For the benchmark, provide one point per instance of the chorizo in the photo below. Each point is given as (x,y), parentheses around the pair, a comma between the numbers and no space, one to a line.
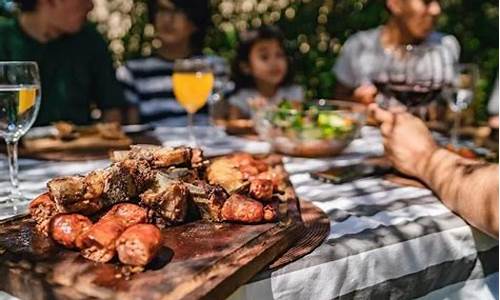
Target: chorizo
(242,209)
(138,245)
(98,243)
(130,214)
(261,189)
(66,228)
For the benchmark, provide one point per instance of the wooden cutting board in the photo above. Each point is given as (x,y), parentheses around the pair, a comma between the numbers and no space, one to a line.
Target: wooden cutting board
(199,260)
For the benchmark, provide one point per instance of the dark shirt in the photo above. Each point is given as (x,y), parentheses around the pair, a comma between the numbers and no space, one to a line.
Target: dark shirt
(76,72)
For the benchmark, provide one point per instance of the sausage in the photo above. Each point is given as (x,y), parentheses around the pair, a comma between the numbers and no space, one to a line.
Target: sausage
(138,245)
(66,228)
(130,214)
(98,243)
(242,209)
(261,189)
(42,209)
(270,212)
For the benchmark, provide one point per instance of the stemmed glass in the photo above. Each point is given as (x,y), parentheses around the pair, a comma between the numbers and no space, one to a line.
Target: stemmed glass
(19,104)
(192,81)
(460,93)
(413,75)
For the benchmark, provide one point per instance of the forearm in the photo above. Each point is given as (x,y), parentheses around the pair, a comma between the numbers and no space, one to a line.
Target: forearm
(467,187)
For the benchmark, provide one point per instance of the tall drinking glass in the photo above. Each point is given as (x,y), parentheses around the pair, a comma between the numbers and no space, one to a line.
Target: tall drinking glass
(192,81)
(19,104)
(460,94)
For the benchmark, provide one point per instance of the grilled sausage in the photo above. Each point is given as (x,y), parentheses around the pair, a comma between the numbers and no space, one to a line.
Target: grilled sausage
(66,228)
(42,209)
(261,189)
(130,214)
(98,243)
(270,212)
(138,245)
(242,209)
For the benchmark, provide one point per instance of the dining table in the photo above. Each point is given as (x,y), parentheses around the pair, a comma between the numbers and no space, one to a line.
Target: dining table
(386,240)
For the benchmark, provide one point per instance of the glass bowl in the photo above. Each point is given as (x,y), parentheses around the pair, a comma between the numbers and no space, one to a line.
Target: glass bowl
(321,128)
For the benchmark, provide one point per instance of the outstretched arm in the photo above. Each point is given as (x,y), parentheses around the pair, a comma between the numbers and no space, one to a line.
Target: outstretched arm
(467,187)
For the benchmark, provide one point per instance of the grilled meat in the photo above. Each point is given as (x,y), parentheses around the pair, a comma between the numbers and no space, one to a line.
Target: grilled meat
(130,214)
(157,157)
(271,212)
(168,198)
(209,199)
(42,209)
(261,189)
(138,245)
(239,208)
(98,243)
(66,228)
(224,172)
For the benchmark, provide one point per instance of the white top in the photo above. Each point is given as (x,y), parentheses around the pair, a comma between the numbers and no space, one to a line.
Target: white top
(241,99)
(362,54)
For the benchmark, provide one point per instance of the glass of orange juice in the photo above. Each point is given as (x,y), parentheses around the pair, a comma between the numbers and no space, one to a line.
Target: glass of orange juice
(192,82)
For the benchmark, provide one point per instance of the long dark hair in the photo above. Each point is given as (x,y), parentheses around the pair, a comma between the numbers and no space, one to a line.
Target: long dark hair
(197,11)
(248,39)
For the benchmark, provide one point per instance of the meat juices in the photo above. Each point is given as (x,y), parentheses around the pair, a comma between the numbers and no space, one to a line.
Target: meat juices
(242,209)
(261,189)
(42,209)
(130,214)
(138,245)
(66,228)
(98,243)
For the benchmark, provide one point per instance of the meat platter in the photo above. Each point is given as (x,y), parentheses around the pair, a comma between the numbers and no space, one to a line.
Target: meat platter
(158,223)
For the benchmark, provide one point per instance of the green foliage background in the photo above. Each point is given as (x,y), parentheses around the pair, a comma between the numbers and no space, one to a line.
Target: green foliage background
(315,30)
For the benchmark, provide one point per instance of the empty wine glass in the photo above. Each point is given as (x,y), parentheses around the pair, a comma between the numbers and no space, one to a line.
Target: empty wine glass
(19,105)
(460,93)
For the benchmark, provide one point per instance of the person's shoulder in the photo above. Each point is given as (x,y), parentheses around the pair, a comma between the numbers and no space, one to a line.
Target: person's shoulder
(365,37)
(447,40)
(7,25)
(294,91)
(89,33)
(147,63)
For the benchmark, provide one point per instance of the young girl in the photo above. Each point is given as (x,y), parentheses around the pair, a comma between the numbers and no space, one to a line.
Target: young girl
(262,72)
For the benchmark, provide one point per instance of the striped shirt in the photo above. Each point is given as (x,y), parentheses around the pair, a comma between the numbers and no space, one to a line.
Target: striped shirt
(147,84)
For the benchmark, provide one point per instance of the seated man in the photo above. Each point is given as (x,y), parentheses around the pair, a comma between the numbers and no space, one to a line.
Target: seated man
(410,22)
(467,187)
(75,68)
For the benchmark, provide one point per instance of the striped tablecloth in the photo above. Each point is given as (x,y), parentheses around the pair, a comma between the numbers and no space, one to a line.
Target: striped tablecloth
(385,241)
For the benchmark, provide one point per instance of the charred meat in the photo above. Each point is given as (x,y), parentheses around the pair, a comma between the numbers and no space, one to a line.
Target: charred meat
(168,198)
(209,200)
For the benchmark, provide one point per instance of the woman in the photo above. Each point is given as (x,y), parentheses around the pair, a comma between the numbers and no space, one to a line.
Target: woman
(181,26)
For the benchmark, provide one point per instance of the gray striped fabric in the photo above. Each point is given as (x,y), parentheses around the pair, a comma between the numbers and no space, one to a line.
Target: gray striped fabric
(386,241)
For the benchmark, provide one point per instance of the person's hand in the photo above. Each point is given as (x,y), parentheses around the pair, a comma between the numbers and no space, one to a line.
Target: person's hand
(365,93)
(407,141)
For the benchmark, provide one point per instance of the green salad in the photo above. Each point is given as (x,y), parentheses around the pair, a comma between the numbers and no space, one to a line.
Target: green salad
(298,120)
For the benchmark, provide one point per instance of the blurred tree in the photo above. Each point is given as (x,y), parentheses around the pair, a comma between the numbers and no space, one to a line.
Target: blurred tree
(315,30)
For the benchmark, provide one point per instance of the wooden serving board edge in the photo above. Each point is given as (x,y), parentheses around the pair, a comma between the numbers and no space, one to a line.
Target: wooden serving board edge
(249,261)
